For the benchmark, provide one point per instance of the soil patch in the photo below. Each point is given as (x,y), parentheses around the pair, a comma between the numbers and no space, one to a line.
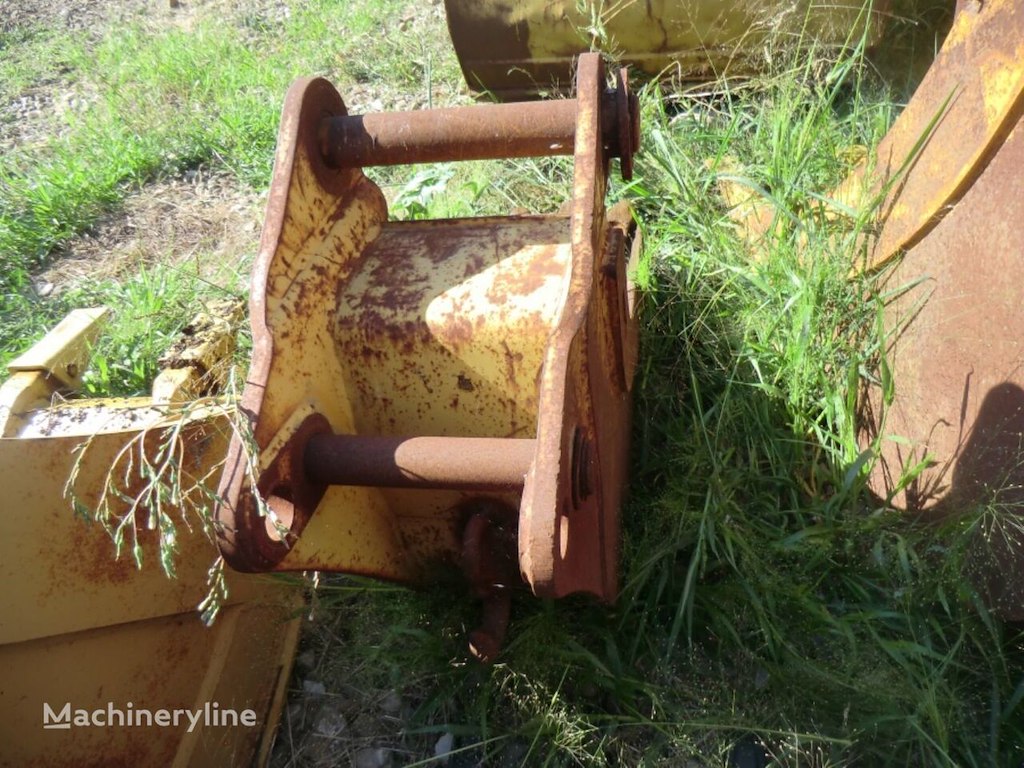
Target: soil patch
(205,220)
(84,16)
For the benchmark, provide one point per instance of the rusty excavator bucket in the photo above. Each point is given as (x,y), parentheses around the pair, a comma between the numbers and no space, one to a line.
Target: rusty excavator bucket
(434,396)
(950,180)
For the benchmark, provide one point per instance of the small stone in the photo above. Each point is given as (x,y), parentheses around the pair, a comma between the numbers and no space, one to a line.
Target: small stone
(313,687)
(761,678)
(391,703)
(372,757)
(330,722)
(443,748)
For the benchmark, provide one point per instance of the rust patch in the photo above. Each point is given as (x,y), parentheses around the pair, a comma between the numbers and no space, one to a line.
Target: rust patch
(481,132)
(956,339)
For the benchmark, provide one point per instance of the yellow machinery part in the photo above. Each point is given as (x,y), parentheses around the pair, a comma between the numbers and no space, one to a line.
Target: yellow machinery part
(430,396)
(81,628)
(527,47)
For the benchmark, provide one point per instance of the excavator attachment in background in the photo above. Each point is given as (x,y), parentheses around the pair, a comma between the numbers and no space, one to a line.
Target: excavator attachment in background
(527,48)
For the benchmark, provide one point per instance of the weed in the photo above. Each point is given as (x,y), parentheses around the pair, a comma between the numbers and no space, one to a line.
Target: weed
(156,482)
(149,310)
(163,479)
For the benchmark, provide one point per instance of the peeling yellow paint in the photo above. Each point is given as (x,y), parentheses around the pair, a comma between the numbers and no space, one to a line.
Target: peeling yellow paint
(1002,81)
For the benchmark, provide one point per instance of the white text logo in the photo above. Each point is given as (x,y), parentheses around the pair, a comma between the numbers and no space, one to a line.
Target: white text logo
(111,716)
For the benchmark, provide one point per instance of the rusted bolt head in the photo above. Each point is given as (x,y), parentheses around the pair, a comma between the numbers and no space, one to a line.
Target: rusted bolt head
(581,481)
(628,127)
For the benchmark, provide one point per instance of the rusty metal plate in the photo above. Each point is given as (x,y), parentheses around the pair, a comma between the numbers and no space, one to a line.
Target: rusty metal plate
(77,626)
(81,629)
(67,565)
(958,365)
(166,662)
(318,221)
(568,525)
(439,329)
(952,215)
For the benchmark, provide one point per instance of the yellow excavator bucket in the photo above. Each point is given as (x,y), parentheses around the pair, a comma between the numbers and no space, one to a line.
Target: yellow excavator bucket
(103,662)
(527,48)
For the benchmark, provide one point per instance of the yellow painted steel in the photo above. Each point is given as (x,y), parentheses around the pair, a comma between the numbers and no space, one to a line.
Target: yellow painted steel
(694,35)
(389,328)
(527,46)
(440,330)
(966,106)
(62,352)
(492,329)
(946,190)
(52,365)
(78,627)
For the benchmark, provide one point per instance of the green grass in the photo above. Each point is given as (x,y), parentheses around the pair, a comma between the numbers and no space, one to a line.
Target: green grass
(763,590)
(161,100)
(149,310)
(30,57)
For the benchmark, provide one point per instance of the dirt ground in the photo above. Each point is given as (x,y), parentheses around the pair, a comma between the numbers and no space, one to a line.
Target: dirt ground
(203,217)
(203,221)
